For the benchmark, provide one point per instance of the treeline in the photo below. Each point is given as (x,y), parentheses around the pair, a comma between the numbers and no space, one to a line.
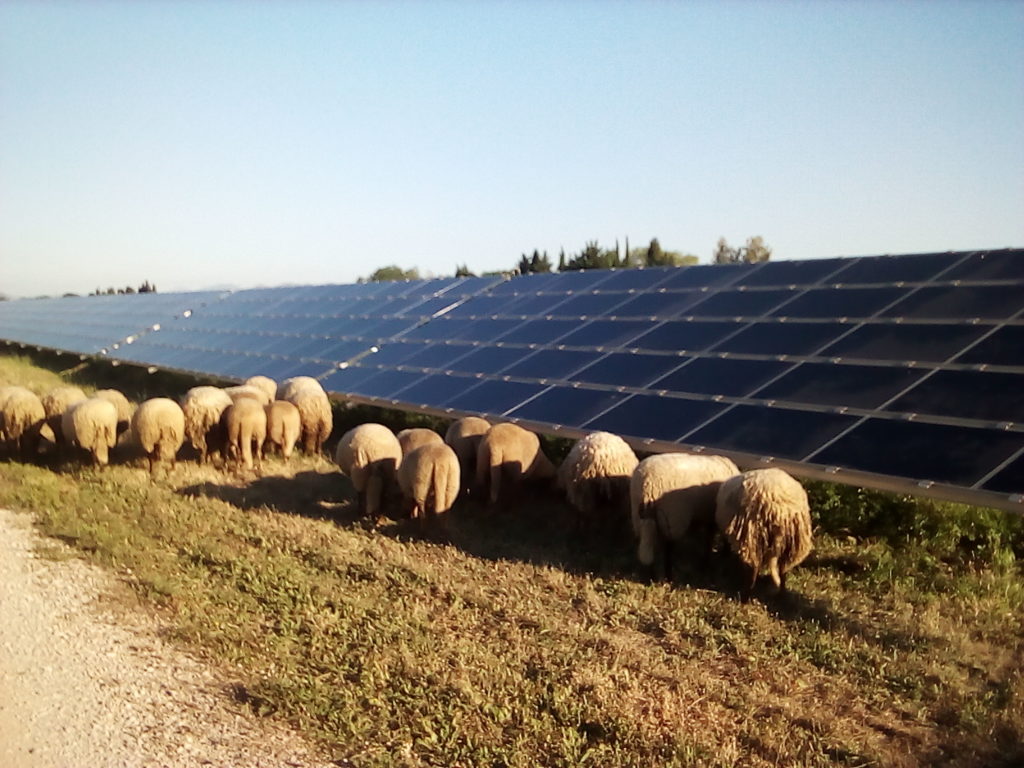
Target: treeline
(594,256)
(146,287)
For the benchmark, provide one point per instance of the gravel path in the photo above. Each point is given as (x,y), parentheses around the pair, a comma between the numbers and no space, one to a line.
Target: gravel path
(82,687)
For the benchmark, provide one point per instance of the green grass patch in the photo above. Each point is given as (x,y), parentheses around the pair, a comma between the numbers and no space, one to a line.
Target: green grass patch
(520,643)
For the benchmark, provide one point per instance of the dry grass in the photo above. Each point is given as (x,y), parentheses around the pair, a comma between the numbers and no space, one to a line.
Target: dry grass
(518,643)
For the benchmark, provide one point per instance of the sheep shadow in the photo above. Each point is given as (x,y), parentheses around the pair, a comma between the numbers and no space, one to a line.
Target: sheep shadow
(537,529)
(797,608)
(309,494)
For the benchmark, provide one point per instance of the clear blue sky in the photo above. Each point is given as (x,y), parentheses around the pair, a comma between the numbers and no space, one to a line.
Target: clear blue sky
(197,144)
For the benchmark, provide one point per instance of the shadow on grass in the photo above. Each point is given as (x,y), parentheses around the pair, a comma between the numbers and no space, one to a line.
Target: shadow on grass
(315,495)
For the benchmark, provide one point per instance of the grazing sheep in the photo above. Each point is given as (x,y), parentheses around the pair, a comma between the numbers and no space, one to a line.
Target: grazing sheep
(159,427)
(22,417)
(596,474)
(203,407)
(669,493)
(314,414)
(55,402)
(290,387)
(264,383)
(429,479)
(464,436)
(283,427)
(124,408)
(249,392)
(765,517)
(369,454)
(92,426)
(411,439)
(510,450)
(245,429)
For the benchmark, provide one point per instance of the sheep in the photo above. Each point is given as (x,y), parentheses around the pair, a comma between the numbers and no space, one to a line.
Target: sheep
(669,493)
(411,439)
(159,427)
(510,450)
(265,384)
(250,392)
(203,407)
(283,426)
(766,519)
(55,402)
(92,426)
(315,415)
(124,408)
(596,473)
(290,387)
(369,454)
(22,417)
(429,479)
(245,428)
(464,437)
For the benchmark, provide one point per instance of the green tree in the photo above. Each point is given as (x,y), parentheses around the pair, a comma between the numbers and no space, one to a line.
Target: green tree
(593,256)
(531,265)
(393,272)
(754,251)
(463,271)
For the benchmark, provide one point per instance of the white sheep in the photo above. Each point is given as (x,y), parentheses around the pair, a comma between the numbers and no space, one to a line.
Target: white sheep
(766,519)
(290,387)
(159,427)
(464,436)
(202,407)
(250,392)
(125,408)
(670,493)
(413,438)
(245,429)
(283,426)
(508,451)
(55,402)
(369,454)
(596,475)
(429,479)
(315,414)
(265,384)
(22,417)
(92,426)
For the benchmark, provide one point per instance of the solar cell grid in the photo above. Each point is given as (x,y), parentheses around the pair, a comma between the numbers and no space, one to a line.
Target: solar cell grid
(740,303)
(881,270)
(798,273)
(774,338)
(731,377)
(660,305)
(1002,346)
(488,360)
(982,395)
(920,342)
(653,417)
(833,302)
(939,336)
(853,386)
(778,432)
(566,405)
(918,451)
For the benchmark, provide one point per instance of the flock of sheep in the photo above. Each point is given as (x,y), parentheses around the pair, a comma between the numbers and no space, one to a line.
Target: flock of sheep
(763,514)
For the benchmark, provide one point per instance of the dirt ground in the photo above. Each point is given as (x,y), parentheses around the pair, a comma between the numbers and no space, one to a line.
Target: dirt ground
(84,684)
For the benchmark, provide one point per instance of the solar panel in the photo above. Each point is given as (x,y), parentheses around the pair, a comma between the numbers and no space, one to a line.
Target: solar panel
(895,371)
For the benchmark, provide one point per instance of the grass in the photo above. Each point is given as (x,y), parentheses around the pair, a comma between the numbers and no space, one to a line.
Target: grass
(519,643)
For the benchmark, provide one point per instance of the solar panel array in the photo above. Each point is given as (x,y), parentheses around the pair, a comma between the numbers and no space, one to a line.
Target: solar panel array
(903,371)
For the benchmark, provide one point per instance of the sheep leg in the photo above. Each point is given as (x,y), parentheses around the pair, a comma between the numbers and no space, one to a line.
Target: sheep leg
(748,577)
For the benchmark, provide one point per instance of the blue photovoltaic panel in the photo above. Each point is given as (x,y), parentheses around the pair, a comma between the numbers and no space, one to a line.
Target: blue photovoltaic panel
(901,367)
